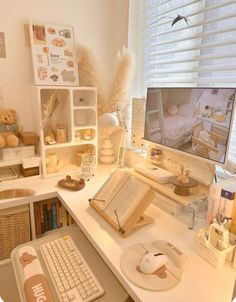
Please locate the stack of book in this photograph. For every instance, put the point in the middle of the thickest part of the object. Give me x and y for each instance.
(50, 215)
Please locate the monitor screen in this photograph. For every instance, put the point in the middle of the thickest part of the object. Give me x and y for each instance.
(192, 120)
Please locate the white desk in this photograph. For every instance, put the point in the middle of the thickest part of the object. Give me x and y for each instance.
(200, 283)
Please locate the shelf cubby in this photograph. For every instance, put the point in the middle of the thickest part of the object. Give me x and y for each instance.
(61, 114)
(85, 135)
(84, 98)
(84, 117)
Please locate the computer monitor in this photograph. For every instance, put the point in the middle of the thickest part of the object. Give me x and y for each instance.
(196, 121)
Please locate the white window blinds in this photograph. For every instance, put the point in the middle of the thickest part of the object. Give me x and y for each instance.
(200, 53)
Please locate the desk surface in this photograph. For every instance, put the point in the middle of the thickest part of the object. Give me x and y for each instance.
(201, 282)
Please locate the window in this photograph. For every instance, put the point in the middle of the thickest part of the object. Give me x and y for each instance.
(197, 51)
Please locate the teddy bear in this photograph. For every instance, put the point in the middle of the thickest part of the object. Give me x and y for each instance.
(8, 128)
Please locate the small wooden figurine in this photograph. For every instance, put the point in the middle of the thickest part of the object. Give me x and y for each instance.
(183, 178)
(183, 183)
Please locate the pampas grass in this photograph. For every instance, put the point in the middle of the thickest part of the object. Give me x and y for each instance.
(124, 62)
(48, 108)
(90, 75)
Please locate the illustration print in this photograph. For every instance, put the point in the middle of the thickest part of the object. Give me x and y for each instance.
(53, 54)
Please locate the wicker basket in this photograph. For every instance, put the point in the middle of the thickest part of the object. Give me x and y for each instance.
(14, 229)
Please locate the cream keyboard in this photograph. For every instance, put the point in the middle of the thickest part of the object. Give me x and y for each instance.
(71, 275)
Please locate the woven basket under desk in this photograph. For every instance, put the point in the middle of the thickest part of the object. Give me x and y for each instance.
(14, 229)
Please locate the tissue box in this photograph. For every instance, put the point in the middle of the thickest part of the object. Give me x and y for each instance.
(29, 138)
(30, 166)
(29, 171)
(18, 152)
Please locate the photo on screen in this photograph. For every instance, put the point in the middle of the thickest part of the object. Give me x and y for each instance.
(192, 120)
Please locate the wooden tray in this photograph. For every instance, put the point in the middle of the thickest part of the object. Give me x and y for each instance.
(71, 184)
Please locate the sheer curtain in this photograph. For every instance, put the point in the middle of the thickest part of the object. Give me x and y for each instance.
(197, 51)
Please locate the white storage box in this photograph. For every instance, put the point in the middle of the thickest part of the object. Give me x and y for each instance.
(18, 152)
(212, 255)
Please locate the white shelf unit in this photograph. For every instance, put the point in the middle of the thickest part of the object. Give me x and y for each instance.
(77, 110)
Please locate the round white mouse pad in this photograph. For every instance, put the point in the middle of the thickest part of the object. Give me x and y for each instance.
(163, 279)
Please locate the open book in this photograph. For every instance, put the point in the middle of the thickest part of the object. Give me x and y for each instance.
(122, 199)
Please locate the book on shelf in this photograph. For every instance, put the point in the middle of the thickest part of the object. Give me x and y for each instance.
(50, 215)
(222, 201)
(227, 200)
(45, 217)
(64, 217)
(122, 200)
(54, 215)
(59, 214)
(37, 218)
(67, 218)
(41, 218)
(215, 200)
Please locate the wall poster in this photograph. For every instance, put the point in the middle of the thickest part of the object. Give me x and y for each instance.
(53, 54)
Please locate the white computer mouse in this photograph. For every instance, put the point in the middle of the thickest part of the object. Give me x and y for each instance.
(152, 261)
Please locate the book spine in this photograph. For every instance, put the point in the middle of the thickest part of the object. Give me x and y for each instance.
(37, 218)
(226, 203)
(41, 218)
(70, 219)
(214, 200)
(64, 218)
(67, 218)
(59, 216)
(54, 215)
(49, 215)
(45, 217)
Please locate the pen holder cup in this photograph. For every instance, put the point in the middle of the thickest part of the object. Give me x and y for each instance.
(211, 254)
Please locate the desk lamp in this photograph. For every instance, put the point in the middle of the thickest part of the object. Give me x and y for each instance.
(110, 122)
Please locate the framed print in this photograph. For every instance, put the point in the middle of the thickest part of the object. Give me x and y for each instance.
(53, 54)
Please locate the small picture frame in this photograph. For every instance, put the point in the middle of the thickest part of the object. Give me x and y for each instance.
(53, 54)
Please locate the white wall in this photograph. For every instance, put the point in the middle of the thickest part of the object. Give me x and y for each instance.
(101, 25)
